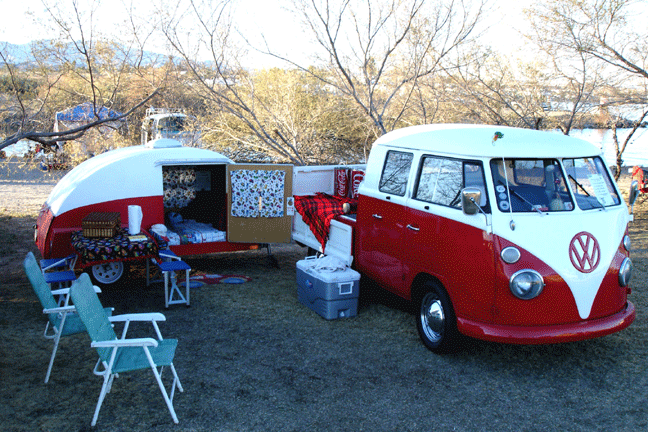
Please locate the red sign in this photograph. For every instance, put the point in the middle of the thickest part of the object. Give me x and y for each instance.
(342, 182)
(584, 252)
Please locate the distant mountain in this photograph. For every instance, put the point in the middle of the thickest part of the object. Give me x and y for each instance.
(52, 52)
(15, 54)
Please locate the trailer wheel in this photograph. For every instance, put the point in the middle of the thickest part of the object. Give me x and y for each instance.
(108, 273)
(436, 321)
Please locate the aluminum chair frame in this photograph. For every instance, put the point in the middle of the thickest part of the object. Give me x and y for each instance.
(123, 355)
(62, 317)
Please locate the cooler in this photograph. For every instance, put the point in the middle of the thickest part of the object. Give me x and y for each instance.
(331, 294)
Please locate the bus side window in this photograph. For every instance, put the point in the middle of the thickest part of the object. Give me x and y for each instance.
(474, 178)
(395, 173)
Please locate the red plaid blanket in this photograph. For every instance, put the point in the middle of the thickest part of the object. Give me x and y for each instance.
(318, 211)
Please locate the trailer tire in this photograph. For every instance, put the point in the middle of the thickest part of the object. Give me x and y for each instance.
(108, 273)
(436, 321)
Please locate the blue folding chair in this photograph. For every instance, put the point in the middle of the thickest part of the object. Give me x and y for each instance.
(62, 320)
(59, 272)
(123, 355)
(168, 264)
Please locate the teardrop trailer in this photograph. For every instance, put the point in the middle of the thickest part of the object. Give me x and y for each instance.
(501, 234)
(164, 178)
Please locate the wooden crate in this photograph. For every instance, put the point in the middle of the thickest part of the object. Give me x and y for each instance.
(101, 224)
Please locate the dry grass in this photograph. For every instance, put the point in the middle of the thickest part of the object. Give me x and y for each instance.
(252, 358)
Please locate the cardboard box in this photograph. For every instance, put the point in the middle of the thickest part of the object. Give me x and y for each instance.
(331, 294)
(101, 224)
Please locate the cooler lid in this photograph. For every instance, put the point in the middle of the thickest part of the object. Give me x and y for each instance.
(339, 243)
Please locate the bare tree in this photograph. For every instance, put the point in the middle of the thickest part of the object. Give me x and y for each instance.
(374, 52)
(72, 65)
(575, 73)
(201, 34)
(487, 87)
(601, 31)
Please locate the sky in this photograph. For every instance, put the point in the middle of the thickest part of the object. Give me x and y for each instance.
(253, 17)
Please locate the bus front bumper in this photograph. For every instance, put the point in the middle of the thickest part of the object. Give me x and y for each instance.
(536, 335)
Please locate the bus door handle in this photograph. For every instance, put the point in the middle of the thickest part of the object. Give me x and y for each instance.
(376, 216)
(413, 228)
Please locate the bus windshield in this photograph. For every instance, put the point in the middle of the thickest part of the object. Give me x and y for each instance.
(530, 185)
(590, 183)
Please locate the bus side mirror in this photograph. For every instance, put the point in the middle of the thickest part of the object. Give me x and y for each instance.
(470, 198)
(634, 193)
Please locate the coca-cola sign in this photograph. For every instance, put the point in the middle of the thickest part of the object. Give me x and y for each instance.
(357, 176)
(341, 182)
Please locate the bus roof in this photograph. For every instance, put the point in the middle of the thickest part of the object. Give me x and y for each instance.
(487, 141)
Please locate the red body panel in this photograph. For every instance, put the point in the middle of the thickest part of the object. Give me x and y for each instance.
(460, 256)
(379, 246)
(466, 260)
(532, 335)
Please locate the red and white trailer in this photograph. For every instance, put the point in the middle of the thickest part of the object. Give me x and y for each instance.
(164, 177)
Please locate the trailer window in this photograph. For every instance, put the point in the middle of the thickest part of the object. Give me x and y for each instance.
(395, 173)
(590, 183)
(530, 185)
(441, 181)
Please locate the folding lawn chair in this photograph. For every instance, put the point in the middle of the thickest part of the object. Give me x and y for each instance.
(63, 321)
(123, 355)
(168, 264)
(59, 272)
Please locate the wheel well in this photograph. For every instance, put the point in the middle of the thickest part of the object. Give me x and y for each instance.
(418, 285)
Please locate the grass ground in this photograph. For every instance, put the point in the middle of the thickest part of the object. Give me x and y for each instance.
(252, 358)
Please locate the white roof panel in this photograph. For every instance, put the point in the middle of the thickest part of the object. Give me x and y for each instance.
(128, 172)
(461, 140)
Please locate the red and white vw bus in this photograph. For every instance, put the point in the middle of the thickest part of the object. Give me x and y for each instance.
(502, 234)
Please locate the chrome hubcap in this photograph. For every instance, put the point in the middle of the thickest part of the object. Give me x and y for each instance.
(108, 273)
(432, 317)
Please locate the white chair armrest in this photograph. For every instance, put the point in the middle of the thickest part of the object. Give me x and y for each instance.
(59, 309)
(168, 254)
(153, 316)
(61, 291)
(125, 343)
(59, 263)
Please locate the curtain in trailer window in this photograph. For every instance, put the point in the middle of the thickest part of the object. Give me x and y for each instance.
(257, 193)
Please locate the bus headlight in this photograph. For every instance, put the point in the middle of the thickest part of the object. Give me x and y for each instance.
(625, 272)
(526, 284)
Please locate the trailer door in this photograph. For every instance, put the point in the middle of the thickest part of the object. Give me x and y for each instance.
(259, 204)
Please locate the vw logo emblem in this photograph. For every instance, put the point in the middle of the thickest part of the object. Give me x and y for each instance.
(584, 252)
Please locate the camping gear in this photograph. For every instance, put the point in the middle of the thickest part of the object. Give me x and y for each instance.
(117, 356)
(101, 224)
(62, 320)
(59, 272)
(168, 264)
(118, 247)
(328, 287)
(134, 219)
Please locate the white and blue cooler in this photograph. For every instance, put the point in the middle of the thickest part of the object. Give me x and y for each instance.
(327, 285)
